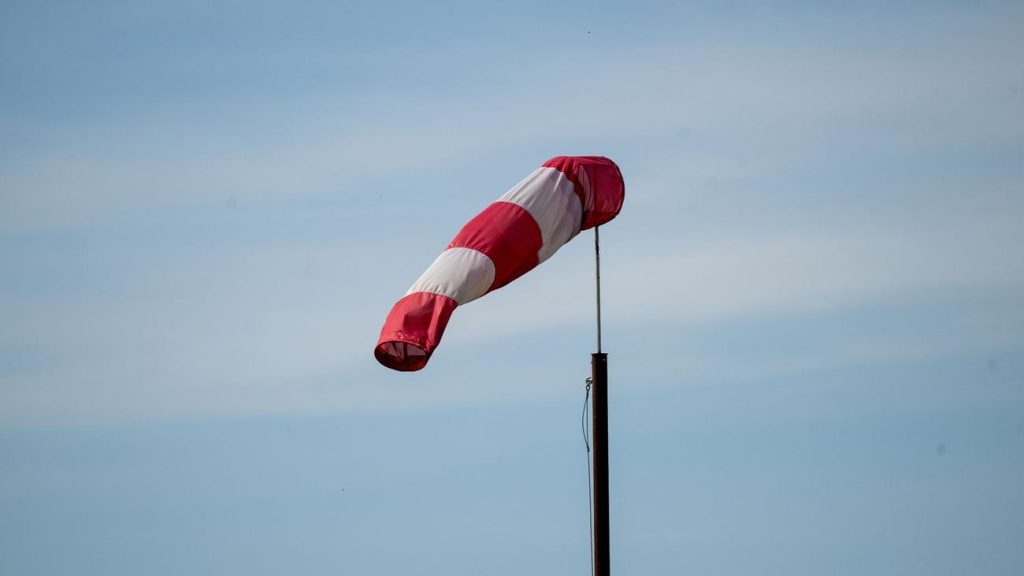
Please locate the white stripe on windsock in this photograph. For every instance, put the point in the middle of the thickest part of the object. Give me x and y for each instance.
(462, 274)
(548, 195)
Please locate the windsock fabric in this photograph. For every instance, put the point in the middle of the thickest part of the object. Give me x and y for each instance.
(509, 238)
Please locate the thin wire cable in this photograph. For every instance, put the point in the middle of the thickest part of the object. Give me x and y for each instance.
(597, 262)
(585, 424)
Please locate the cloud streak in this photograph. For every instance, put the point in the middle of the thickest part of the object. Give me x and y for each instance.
(236, 257)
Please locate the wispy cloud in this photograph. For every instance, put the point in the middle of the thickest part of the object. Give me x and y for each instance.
(765, 179)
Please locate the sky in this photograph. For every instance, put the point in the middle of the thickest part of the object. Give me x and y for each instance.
(813, 297)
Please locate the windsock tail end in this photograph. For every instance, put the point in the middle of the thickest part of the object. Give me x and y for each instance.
(401, 356)
(413, 330)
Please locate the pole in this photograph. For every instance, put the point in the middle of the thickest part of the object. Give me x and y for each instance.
(599, 393)
(597, 277)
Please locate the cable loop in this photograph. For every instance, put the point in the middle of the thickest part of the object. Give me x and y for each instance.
(585, 425)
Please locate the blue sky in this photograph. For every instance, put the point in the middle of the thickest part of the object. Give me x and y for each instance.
(814, 295)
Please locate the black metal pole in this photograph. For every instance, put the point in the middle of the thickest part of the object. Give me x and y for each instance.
(599, 393)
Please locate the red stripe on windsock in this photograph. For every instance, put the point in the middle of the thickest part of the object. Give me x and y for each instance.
(413, 330)
(508, 235)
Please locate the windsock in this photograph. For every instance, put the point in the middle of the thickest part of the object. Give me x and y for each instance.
(509, 238)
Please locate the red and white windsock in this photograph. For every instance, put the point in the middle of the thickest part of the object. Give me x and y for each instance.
(509, 238)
